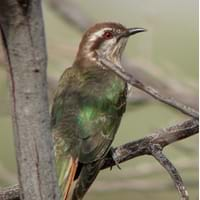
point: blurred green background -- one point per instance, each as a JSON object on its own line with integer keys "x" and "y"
{"x": 170, "y": 46}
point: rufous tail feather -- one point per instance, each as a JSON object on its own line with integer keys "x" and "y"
{"x": 66, "y": 170}
{"x": 71, "y": 174}
{"x": 87, "y": 175}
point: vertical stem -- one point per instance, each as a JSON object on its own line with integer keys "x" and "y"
{"x": 22, "y": 28}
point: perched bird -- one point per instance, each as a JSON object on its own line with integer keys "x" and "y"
{"x": 87, "y": 108}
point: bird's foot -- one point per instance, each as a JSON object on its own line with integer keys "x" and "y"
{"x": 114, "y": 157}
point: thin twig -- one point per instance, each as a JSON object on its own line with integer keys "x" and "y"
{"x": 156, "y": 152}
{"x": 141, "y": 147}
{"x": 147, "y": 89}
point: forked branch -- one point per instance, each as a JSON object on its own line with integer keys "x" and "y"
{"x": 144, "y": 146}
{"x": 157, "y": 153}
{"x": 153, "y": 145}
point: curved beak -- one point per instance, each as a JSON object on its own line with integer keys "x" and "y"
{"x": 132, "y": 31}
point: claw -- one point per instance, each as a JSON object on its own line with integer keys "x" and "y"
{"x": 114, "y": 157}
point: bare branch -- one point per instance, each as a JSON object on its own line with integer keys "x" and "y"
{"x": 156, "y": 152}
{"x": 10, "y": 193}
{"x": 22, "y": 29}
{"x": 149, "y": 144}
{"x": 147, "y": 89}
{"x": 162, "y": 137}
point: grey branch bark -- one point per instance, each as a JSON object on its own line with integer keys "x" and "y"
{"x": 157, "y": 153}
{"x": 125, "y": 152}
{"x": 162, "y": 137}
{"x": 10, "y": 193}
{"x": 153, "y": 145}
{"x": 22, "y": 29}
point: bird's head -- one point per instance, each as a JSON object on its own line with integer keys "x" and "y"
{"x": 107, "y": 39}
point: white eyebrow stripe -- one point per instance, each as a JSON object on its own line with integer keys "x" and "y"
{"x": 99, "y": 33}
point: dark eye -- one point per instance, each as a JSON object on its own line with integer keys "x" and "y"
{"x": 108, "y": 35}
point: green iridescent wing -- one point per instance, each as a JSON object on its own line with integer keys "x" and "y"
{"x": 97, "y": 127}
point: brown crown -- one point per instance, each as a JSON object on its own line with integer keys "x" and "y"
{"x": 94, "y": 44}
{"x": 98, "y": 27}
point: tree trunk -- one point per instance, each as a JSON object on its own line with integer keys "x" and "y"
{"x": 21, "y": 25}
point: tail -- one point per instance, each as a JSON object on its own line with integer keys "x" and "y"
{"x": 87, "y": 175}
{"x": 66, "y": 170}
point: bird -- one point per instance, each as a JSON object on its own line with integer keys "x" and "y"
{"x": 87, "y": 108}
